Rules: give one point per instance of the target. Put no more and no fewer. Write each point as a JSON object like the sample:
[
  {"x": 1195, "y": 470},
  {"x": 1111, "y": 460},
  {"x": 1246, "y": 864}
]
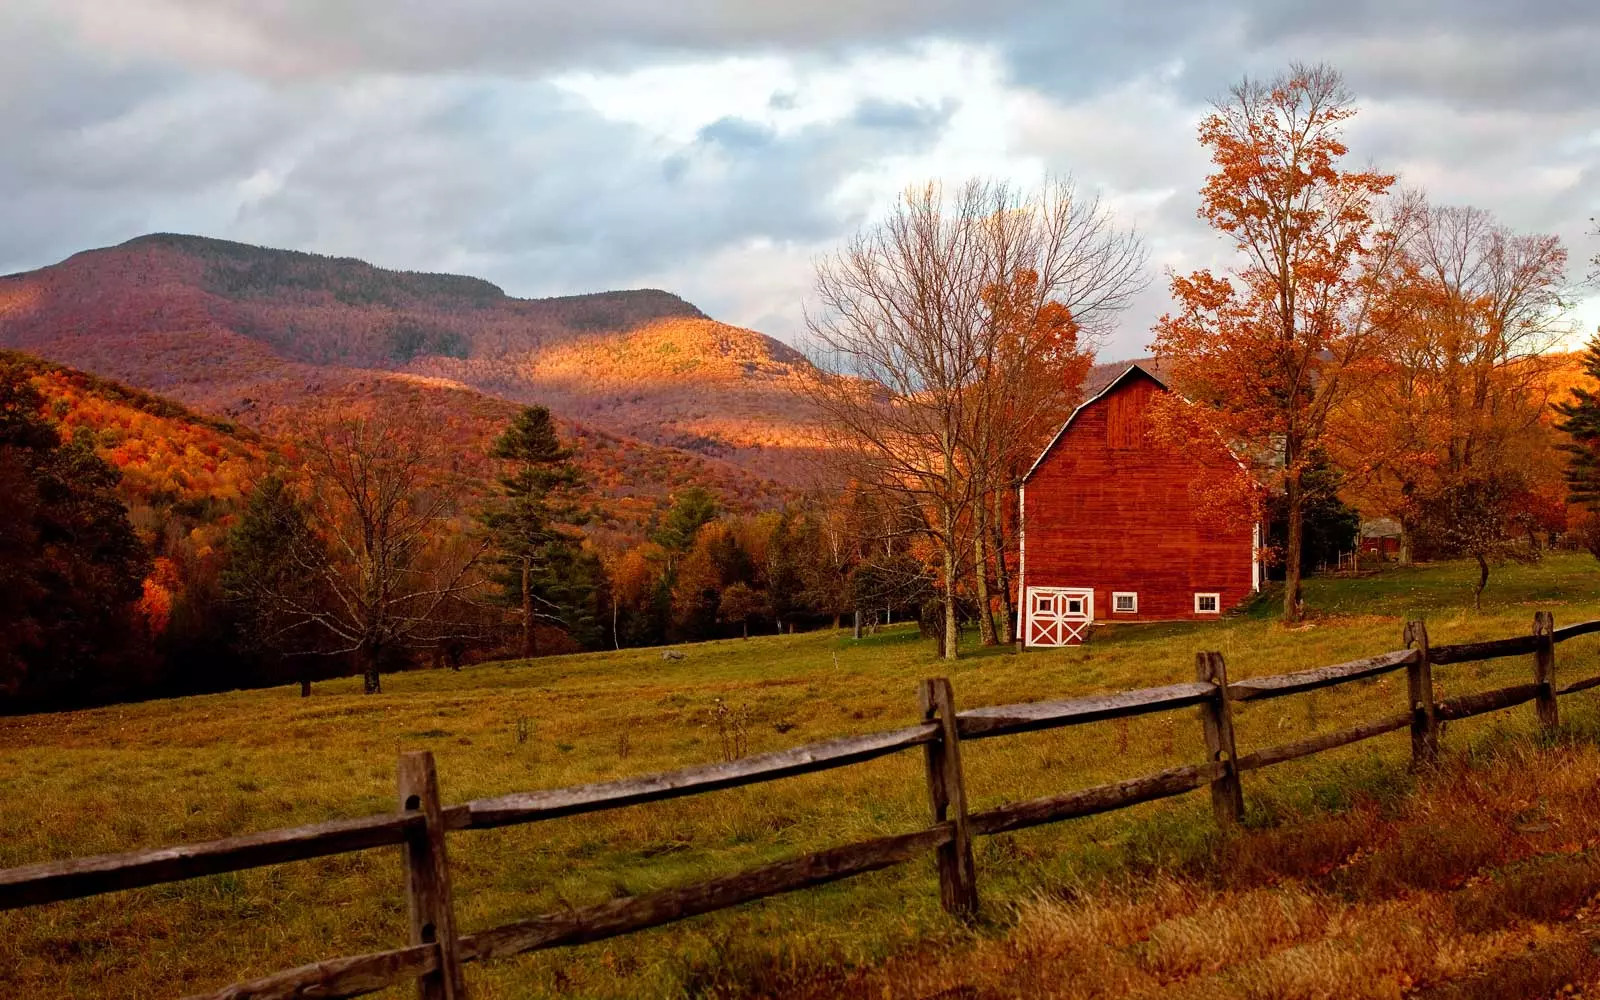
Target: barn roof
[{"x": 1099, "y": 383}]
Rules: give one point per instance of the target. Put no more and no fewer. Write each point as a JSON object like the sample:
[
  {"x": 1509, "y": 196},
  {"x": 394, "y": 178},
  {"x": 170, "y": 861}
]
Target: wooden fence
[{"x": 438, "y": 950}]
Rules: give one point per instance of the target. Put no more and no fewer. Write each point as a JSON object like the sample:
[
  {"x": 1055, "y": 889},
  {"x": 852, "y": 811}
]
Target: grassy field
[{"x": 197, "y": 768}]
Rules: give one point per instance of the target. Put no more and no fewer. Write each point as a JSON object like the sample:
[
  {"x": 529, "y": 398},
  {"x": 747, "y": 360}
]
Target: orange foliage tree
[
  {"x": 1460, "y": 399},
  {"x": 1269, "y": 352},
  {"x": 919, "y": 320},
  {"x": 1029, "y": 381}
]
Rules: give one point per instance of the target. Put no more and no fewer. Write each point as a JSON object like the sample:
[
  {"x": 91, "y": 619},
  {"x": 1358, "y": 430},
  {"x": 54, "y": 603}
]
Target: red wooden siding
[{"x": 1108, "y": 509}]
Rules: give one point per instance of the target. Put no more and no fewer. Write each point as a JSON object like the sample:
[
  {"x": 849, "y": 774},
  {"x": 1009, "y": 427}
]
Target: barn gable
[
  {"x": 1109, "y": 388},
  {"x": 1113, "y": 527}
]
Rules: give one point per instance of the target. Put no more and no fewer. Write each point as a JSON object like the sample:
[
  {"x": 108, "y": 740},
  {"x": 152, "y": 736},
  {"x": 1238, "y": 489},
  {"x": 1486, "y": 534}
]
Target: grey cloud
[
  {"x": 311, "y": 37},
  {"x": 736, "y": 133},
  {"x": 419, "y": 133},
  {"x": 910, "y": 118}
]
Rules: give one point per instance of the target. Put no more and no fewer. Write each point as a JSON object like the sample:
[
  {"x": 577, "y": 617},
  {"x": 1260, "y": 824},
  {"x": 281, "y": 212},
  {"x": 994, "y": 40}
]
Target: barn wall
[{"x": 1108, "y": 509}]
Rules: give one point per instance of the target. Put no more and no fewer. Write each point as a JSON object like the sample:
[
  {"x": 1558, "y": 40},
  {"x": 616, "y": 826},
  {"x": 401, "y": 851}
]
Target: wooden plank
[
  {"x": 1216, "y": 715},
  {"x": 1467, "y": 652},
  {"x": 1583, "y": 685},
  {"x": 624, "y": 916},
  {"x": 1278, "y": 685},
  {"x": 1544, "y": 670},
  {"x": 1487, "y": 701},
  {"x": 335, "y": 978},
  {"x": 527, "y": 807},
  {"x": 1419, "y": 692},
  {"x": 999, "y": 720},
  {"x": 1099, "y": 799},
  {"x": 947, "y": 795},
  {"x": 1316, "y": 744},
  {"x": 49, "y": 881},
  {"x": 430, "y": 908},
  {"x": 1573, "y": 631}
]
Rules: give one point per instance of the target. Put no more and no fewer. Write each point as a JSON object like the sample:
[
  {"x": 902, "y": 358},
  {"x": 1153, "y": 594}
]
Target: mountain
[{"x": 264, "y": 337}]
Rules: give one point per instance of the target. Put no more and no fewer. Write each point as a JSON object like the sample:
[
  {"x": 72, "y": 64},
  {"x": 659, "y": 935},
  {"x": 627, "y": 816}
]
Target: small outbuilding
[{"x": 1114, "y": 527}]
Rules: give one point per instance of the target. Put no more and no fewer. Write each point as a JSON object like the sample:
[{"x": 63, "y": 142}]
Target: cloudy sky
[{"x": 717, "y": 147}]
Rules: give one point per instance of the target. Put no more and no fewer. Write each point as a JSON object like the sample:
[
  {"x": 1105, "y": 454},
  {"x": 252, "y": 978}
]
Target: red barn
[{"x": 1110, "y": 527}]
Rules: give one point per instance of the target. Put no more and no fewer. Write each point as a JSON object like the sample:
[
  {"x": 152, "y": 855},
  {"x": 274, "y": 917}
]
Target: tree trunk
[
  {"x": 370, "y": 684},
  {"x": 1483, "y": 581},
  {"x": 952, "y": 634},
  {"x": 1002, "y": 574},
  {"x": 837, "y": 618},
  {"x": 529, "y": 642},
  {"x": 305, "y": 687},
  {"x": 747, "y": 628},
  {"x": 1291, "y": 558},
  {"x": 1404, "y": 557},
  {"x": 980, "y": 578}
]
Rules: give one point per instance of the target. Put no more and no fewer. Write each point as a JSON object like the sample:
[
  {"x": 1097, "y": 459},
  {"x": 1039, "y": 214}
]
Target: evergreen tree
[
  {"x": 273, "y": 561},
  {"x": 538, "y": 552},
  {"x": 1329, "y": 527},
  {"x": 71, "y": 566},
  {"x": 1580, "y": 420},
  {"x": 691, "y": 510}
]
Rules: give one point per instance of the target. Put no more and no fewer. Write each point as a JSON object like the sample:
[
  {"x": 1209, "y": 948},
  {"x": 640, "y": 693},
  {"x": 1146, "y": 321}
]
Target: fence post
[
  {"x": 1227, "y": 796},
  {"x": 1419, "y": 684},
  {"x": 1544, "y": 670},
  {"x": 947, "y": 791},
  {"x": 428, "y": 879}
]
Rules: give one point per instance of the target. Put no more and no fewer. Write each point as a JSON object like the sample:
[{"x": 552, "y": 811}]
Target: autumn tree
[
  {"x": 1031, "y": 377},
  {"x": 715, "y": 561},
  {"x": 1476, "y": 517},
  {"x": 739, "y": 603},
  {"x": 918, "y": 316},
  {"x": 1453, "y": 411},
  {"x": 1269, "y": 352},
  {"x": 532, "y": 527}
]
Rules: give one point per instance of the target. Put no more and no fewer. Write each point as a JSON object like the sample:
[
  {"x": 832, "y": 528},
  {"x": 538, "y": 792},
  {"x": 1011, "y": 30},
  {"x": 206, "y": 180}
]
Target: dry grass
[
  {"x": 1482, "y": 885},
  {"x": 1337, "y": 844}
]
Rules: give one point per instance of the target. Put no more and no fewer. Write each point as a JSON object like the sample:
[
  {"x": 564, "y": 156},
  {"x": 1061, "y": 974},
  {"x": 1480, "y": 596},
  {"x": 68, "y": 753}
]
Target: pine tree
[
  {"x": 273, "y": 559},
  {"x": 539, "y": 552},
  {"x": 691, "y": 510},
  {"x": 1581, "y": 422}
]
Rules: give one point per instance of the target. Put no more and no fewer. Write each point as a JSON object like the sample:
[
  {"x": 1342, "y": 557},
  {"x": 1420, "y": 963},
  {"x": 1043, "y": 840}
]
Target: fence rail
[{"x": 437, "y": 950}]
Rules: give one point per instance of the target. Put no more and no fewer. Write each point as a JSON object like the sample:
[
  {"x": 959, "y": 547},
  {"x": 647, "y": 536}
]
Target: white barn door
[{"x": 1058, "y": 616}]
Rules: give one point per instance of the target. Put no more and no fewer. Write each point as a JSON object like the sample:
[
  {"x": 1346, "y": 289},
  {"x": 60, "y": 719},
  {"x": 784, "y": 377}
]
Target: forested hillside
[{"x": 260, "y": 335}]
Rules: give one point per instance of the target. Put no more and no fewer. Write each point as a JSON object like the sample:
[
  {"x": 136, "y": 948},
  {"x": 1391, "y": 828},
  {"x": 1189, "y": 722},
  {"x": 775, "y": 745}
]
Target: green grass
[{"x": 197, "y": 768}]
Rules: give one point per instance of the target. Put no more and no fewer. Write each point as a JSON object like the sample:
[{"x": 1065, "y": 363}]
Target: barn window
[
  {"x": 1125, "y": 603},
  {"x": 1074, "y": 605},
  {"x": 1207, "y": 604}
]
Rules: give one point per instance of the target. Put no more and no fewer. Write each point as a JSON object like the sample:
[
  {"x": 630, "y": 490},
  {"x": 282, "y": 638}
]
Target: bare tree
[
  {"x": 381, "y": 571},
  {"x": 918, "y": 336}
]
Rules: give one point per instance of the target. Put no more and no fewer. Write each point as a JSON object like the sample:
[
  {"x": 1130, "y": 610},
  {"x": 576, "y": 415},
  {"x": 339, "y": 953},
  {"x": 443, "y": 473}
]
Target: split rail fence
[{"x": 438, "y": 950}]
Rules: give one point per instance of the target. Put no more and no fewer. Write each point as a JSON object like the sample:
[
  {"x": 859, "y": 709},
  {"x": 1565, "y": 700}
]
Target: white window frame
[
  {"x": 1117, "y": 595},
  {"x": 1216, "y": 602}
]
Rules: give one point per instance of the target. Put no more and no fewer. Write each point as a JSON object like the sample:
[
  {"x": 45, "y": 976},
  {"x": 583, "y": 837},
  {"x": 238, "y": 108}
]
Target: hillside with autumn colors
[
  {"x": 173, "y": 457},
  {"x": 265, "y": 336}
]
